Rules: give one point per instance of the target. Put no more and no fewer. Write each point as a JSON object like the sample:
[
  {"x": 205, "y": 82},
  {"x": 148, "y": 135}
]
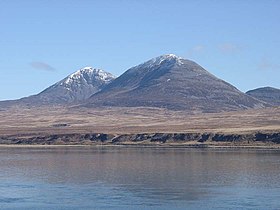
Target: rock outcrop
[{"x": 180, "y": 139}]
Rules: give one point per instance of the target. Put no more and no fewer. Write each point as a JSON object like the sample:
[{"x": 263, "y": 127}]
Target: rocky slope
[
  {"x": 267, "y": 94},
  {"x": 172, "y": 82},
  {"x": 74, "y": 88}
]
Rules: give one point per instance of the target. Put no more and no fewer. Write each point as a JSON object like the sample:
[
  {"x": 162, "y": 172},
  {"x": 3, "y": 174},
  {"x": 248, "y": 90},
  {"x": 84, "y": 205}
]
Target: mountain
[
  {"x": 268, "y": 94},
  {"x": 172, "y": 82},
  {"x": 74, "y": 88}
]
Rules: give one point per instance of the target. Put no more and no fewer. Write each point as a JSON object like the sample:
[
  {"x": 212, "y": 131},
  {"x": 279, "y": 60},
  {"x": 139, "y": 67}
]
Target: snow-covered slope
[
  {"x": 87, "y": 75},
  {"x": 74, "y": 88}
]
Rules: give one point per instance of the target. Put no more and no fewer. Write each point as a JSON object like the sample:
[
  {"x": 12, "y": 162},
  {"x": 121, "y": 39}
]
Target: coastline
[
  {"x": 149, "y": 145},
  {"x": 232, "y": 147},
  {"x": 254, "y": 140}
]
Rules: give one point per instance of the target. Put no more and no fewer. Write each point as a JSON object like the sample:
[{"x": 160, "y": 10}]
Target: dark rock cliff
[{"x": 144, "y": 138}]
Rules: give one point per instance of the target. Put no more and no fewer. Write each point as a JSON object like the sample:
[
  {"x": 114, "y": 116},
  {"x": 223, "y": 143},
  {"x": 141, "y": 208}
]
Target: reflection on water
[{"x": 147, "y": 178}]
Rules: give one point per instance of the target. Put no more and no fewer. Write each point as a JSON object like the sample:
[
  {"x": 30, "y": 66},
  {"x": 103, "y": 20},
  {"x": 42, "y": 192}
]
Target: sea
[{"x": 90, "y": 177}]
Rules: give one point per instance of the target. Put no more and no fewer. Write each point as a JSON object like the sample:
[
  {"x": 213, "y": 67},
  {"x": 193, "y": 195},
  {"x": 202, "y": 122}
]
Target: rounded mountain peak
[
  {"x": 167, "y": 57},
  {"x": 171, "y": 56}
]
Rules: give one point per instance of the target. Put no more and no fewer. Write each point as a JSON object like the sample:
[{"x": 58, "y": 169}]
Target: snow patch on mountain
[
  {"x": 76, "y": 87},
  {"x": 88, "y": 73},
  {"x": 166, "y": 59}
]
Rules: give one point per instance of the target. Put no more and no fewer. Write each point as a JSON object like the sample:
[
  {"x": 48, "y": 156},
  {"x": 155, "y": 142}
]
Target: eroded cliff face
[{"x": 183, "y": 139}]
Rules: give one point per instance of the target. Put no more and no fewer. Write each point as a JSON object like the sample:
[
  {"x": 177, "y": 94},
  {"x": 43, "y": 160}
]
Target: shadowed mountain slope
[
  {"x": 267, "y": 94},
  {"x": 172, "y": 82}
]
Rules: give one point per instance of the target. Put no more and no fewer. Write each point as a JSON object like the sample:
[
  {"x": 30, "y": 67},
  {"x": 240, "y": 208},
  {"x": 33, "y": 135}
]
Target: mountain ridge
[
  {"x": 268, "y": 94},
  {"x": 79, "y": 85},
  {"x": 74, "y": 88},
  {"x": 169, "y": 81}
]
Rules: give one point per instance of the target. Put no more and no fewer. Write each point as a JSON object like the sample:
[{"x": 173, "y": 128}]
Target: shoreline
[
  {"x": 179, "y": 146},
  {"x": 255, "y": 140}
]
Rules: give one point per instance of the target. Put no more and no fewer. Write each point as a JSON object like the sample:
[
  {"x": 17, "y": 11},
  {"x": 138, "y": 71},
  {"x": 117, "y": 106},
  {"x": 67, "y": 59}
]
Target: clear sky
[{"x": 42, "y": 41}]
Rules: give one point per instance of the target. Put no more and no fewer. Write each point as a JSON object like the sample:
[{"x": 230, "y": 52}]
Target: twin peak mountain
[{"x": 167, "y": 81}]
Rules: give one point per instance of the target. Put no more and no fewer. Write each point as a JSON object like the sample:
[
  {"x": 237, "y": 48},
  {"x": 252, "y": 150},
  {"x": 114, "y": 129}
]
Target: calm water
[{"x": 144, "y": 178}]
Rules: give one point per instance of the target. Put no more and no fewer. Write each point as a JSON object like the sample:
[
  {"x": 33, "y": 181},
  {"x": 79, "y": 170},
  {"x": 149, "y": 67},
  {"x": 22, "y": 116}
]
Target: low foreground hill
[{"x": 138, "y": 126}]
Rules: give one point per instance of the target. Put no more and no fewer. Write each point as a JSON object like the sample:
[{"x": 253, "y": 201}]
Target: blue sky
[{"x": 42, "y": 41}]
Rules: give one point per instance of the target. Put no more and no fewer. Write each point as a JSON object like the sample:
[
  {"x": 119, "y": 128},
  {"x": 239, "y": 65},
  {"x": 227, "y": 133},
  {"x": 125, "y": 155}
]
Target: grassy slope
[{"x": 18, "y": 120}]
